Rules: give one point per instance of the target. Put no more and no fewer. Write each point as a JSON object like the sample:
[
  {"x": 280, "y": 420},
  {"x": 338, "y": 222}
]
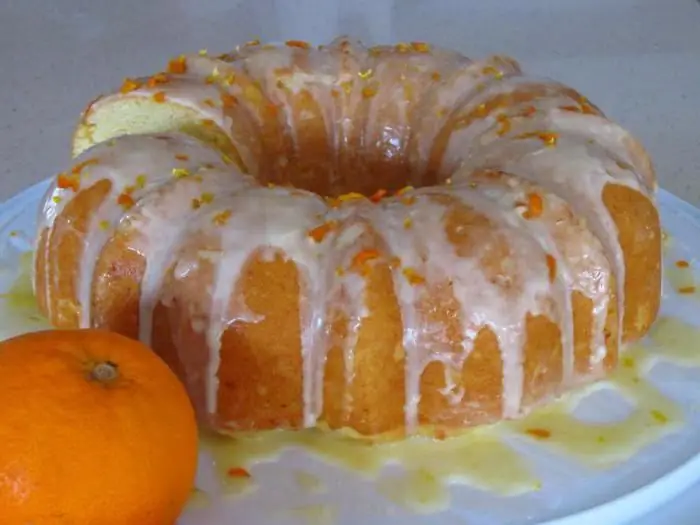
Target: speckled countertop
[{"x": 637, "y": 59}]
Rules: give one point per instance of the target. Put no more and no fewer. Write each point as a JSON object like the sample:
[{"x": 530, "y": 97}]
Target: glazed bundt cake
[{"x": 389, "y": 240}]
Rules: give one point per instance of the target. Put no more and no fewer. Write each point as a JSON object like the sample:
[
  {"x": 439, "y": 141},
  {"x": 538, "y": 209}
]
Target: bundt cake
[{"x": 385, "y": 240}]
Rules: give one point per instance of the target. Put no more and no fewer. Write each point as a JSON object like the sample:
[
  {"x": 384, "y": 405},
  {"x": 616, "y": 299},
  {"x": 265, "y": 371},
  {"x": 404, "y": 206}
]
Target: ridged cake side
[{"x": 422, "y": 241}]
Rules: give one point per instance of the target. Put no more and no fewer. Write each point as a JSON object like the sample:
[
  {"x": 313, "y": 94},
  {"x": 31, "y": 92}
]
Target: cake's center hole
[{"x": 349, "y": 173}]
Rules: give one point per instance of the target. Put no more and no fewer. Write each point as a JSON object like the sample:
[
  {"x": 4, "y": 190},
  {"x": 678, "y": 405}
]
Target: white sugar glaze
[{"x": 392, "y": 104}]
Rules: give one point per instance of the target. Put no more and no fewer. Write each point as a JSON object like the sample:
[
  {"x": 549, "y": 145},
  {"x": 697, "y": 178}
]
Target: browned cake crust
[{"x": 408, "y": 240}]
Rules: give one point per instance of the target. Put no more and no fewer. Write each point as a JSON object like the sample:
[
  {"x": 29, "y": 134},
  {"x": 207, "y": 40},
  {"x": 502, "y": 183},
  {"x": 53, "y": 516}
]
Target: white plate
[{"x": 571, "y": 494}]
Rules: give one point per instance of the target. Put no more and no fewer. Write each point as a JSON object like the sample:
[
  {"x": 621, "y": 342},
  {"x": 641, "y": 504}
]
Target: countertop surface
[{"x": 639, "y": 60}]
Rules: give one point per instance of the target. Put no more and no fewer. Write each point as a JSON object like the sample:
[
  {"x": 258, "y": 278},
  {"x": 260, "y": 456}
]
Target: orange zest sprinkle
[
  {"x": 551, "y": 267},
  {"x": 204, "y": 198},
  {"x": 213, "y": 76},
  {"x": 528, "y": 111},
  {"x": 125, "y": 200},
  {"x": 254, "y": 42},
  {"x": 588, "y": 109},
  {"x": 319, "y": 232},
  {"x": 362, "y": 258},
  {"x": 408, "y": 223},
  {"x": 237, "y": 472},
  {"x": 228, "y": 100},
  {"x": 182, "y": 157},
  {"x": 298, "y": 43},
  {"x": 548, "y": 137},
  {"x": 378, "y": 195},
  {"x": 586, "y": 106},
  {"x": 539, "y": 433},
  {"x": 369, "y": 91},
  {"x": 394, "y": 262},
  {"x": 413, "y": 277},
  {"x": 80, "y": 166},
  {"x": 209, "y": 102},
  {"x": 486, "y": 108},
  {"x": 482, "y": 110},
  {"x": 435, "y": 76},
  {"x": 535, "y": 205},
  {"x": 570, "y": 107},
  {"x": 159, "y": 97},
  {"x": 221, "y": 218},
  {"x": 68, "y": 182},
  {"x": 352, "y": 196},
  {"x": 402, "y": 47},
  {"x": 129, "y": 85},
  {"x": 686, "y": 289},
  {"x": 409, "y": 200},
  {"x": 420, "y": 47},
  {"x": 180, "y": 173},
  {"x": 490, "y": 70},
  {"x": 365, "y": 74},
  {"x": 404, "y": 190},
  {"x": 208, "y": 122},
  {"x": 157, "y": 79},
  {"x": 104, "y": 225},
  {"x": 178, "y": 65},
  {"x": 503, "y": 124},
  {"x": 333, "y": 202},
  {"x": 682, "y": 264}
]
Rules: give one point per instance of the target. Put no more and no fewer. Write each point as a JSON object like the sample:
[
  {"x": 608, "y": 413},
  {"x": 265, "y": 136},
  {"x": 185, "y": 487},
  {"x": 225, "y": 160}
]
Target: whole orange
[{"x": 94, "y": 430}]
